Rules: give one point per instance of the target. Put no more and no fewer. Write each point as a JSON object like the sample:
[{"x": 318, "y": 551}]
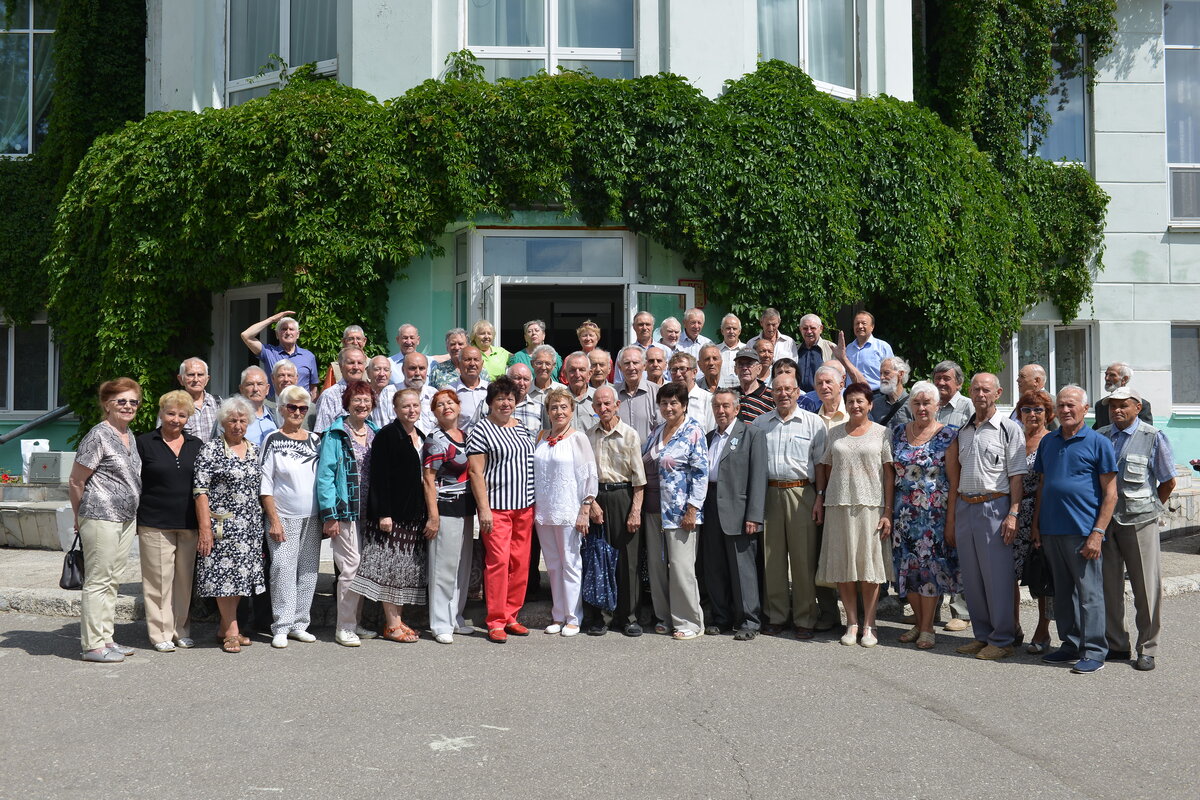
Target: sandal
[
  {"x": 231, "y": 644},
  {"x": 910, "y": 635},
  {"x": 244, "y": 641},
  {"x": 684, "y": 635},
  {"x": 662, "y": 628},
  {"x": 400, "y": 633},
  {"x": 1037, "y": 648},
  {"x": 926, "y": 640}
]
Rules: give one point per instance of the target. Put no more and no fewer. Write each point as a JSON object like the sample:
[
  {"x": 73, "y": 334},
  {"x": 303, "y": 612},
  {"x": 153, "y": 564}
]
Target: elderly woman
[
  {"x": 229, "y": 516},
  {"x": 289, "y": 500},
  {"x": 926, "y": 567},
  {"x": 1036, "y": 410},
  {"x": 104, "y": 486},
  {"x": 451, "y": 515},
  {"x": 392, "y": 570},
  {"x": 855, "y": 485},
  {"x": 535, "y": 337},
  {"x": 500, "y": 462},
  {"x": 443, "y": 369},
  {"x": 167, "y": 522},
  {"x": 341, "y": 499},
  {"x": 565, "y": 487},
  {"x": 495, "y": 357},
  {"x": 676, "y": 454}
]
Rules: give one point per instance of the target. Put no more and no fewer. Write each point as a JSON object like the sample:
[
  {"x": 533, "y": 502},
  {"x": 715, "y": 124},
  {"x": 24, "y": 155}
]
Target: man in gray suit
[{"x": 733, "y": 519}]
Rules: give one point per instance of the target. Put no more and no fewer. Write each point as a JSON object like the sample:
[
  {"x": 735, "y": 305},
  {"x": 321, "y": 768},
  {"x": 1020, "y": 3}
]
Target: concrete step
[
  {"x": 21, "y": 492},
  {"x": 38, "y": 524}
]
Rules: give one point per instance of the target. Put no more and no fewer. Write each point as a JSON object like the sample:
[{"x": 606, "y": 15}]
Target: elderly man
[
  {"x": 866, "y": 352},
  {"x": 352, "y": 336},
  {"x": 733, "y": 518},
  {"x": 1117, "y": 375},
  {"x": 379, "y": 375},
  {"x": 831, "y": 407},
  {"x": 731, "y": 343},
  {"x": 287, "y": 331},
  {"x": 1030, "y": 378},
  {"x": 636, "y": 406},
  {"x": 545, "y": 362},
  {"x": 283, "y": 375},
  {"x": 795, "y": 441},
  {"x": 656, "y": 364},
  {"x": 953, "y": 408},
  {"x": 576, "y": 370},
  {"x": 253, "y": 386},
  {"x": 985, "y": 467},
  {"x": 669, "y": 334},
  {"x": 601, "y": 367},
  {"x": 811, "y": 351},
  {"x": 890, "y": 404},
  {"x": 353, "y": 367},
  {"x": 765, "y": 352},
  {"x": 683, "y": 370},
  {"x": 193, "y": 377},
  {"x": 782, "y": 346},
  {"x": 643, "y": 330},
  {"x": 1131, "y": 544},
  {"x": 408, "y": 339},
  {"x": 618, "y": 507},
  {"x": 470, "y": 387},
  {"x": 1074, "y": 506},
  {"x": 755, "y": 396},
  {"x": 711, "y": 368},
  {"x": 444, "y": 370},
  {"x": 528, "y": 411},
  {"x": 415, "y": 375},
  {"x": 693, "y": 339}
]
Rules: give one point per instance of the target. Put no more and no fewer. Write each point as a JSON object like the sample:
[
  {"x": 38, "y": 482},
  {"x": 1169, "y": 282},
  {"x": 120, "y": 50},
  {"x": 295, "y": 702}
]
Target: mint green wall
[
  {"x": 1184, "y": 434},
  {"x": 58, "y": 432}
]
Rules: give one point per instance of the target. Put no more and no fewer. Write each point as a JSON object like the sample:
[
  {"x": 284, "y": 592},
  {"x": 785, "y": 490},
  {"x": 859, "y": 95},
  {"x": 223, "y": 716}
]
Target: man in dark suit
[
  {"x": 1117, "y": 375},
  {"x": 733, "y": 519}
]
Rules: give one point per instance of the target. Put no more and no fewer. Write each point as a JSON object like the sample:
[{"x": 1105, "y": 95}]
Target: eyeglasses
[
  {"x": 295, "y": 409},
  {"x": 124, "y": 401},
  {"x": 1032, "y": 410}
]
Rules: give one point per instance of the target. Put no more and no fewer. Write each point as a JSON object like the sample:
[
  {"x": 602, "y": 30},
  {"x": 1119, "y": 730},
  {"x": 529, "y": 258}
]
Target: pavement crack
[{"x": 730, "y": 746}]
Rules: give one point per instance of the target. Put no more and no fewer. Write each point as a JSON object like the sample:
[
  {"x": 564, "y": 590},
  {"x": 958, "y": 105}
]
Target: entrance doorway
[{"x": 563, "y": 308}]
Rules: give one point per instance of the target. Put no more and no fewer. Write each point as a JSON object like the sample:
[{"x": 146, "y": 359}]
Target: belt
[
  {"x": 981, "y": 498},
  {"x": 787, "y": 484},
  {"x": 612, "y": 487}
]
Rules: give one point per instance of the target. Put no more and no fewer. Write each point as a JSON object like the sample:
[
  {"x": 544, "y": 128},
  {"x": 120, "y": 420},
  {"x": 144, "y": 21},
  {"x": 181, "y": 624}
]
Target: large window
[
  {"x": 1181, "y": 34},
  {"x": 28, "y": 369},
  {"x": 516, "y": 38},
  {"x": 1066, "y": 138},
  {"x": 26, "y": 73},
  {"x": 1064, "y": 351},
  {"x": 1185, "y": 364},
  {"x": 297, "y": 31},
  {"x": 816, "y": 35}
]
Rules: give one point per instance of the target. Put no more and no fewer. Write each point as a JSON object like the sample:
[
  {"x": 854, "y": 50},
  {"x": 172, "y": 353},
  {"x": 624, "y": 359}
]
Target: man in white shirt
[
  {"x": 379, "y": 375},
  {"x": 711, "y": 367},
  {"x": 408, "y": 339},
  {"x": 643, "y": 329},
  {"x": 415, "y": 372},
  {"x": 543, "y": 360},
  {"x": 352, "y": 363},
  {"x": 470, "y": 387},
  {"x": 731, "y": 342},
  {"x": 576, "y": 369},
  {"x": 601, "y": 367},
  {"x": 784, "y": 346},
  {"x": 683, "y": 370},
  {"x": 636, "y": 406},
  {"x": 668, "y": 336},
  {"x": 693, "y": 339},
  {"x": 656, "y": 365}
]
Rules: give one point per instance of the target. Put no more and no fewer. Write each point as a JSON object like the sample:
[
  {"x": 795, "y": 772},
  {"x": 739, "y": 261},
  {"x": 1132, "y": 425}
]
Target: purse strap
[{"x": 77, "y": 545}]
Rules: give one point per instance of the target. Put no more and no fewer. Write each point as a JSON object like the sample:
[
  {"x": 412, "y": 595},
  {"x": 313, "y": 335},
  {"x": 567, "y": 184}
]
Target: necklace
[{"x": 553, "y": 440}]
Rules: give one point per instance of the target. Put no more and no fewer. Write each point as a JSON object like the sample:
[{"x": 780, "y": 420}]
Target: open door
[
  {"x": 661, "y": 301},
  {"x": 488, "y": 305}
]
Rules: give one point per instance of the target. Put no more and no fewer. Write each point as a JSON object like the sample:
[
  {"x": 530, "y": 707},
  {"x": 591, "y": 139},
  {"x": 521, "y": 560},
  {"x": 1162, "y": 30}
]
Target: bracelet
[
  {"x": 1013, "y": 514},
  {"x": 1098, "y": 530}
]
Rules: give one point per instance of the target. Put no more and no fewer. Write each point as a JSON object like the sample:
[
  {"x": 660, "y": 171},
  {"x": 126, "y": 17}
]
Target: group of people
[{"x": 744, "y": 488}]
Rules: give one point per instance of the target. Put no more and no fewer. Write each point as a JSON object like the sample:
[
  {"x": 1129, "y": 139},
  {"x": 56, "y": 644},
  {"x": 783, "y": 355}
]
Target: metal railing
[{"x": 49, "y": 416}]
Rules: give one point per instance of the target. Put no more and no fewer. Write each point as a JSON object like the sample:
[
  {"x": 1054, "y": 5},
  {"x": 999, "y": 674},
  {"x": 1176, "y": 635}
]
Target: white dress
[{"x": 564, "y": 474}]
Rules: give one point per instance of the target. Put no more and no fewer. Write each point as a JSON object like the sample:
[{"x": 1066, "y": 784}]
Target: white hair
[
  {"x": 924, "y": 388},
  {"x": 353, "y": 329},
  {"x": 1073, "y": 387},
  {"x": 1122, "y": 369},
  {"x": 813, "y": 318},
  {"x": 693, "y": 313},
  {"x": 400, "y": 330},
  {"x": 295, "y": 394},
  {"x": 901, "y": 366},
  {"x": 543, "y": 349},
  {"x": 232, "y": 406},
  {"x": 283, "y": 363},
  {"x": 640, "y": 352},
  {"x": 671, "y": 320},
  {"x": 183, "y": 365},
  {"x": 248, "y": 370},
  {"x": 829, "y": 370},
  {"x": 728, "y": 317},
  {"x": 285, "y": 320},
  {"x": 345, "y": 353}
]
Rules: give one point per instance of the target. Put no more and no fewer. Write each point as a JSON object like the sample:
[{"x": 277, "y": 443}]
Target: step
[{"x": 37, "y": 524}]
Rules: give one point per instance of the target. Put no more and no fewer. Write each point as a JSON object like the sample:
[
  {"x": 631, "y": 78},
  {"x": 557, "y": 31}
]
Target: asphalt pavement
[{"x": 550, "y": 717}]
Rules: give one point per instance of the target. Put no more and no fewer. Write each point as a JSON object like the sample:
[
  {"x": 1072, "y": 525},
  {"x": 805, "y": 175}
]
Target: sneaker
[
  {"x": 1061, "y": 656},
  {"x": 104, "y": 655},
  {"x": 279, "y": 640},
  {"x": 444, "y": 638},
  {"x": 957, "y": 624},
  {"x": 1086, "y": 666},
  {"x": 184, "y": 642},
  {"x": 365, "y": 633},
  {"x": 165, "y": 647},
  {"x": 971, "y": 648},
  {"x": 301, "y": 636},
  {"x": 346, "y": 638},
  {"x": 993, "y": 653}
]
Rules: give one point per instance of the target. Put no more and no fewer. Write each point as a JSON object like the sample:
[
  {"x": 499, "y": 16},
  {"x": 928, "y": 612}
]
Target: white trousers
[
  {"x": 105, "y": 548},
  {"x": 564, "y": 565}
]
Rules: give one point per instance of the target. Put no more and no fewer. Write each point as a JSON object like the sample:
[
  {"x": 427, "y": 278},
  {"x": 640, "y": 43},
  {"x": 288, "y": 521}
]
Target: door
[
  {"x": 661, "y": 301},
  {"x": 237, "y": 310},
  {"x": 563, "y": 308}
]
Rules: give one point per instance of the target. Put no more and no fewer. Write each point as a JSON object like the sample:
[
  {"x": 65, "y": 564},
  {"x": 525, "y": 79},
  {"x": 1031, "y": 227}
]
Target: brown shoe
[
  {"x": 971, "y": 648},
  {"x": 957, "y": 625},
  {"x": 993, "y": 653}
]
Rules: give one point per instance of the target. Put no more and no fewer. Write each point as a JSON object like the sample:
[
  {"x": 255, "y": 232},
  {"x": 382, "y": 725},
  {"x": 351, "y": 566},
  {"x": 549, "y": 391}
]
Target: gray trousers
[
  {"x": 986, "y": 564},
  {"x": 449, "y": 567},
  {"x": 1078, "y": 596},
  {"x": 1136, "y": 550},
  {"x": 295, "y": 563},
  {"x": 671, "y": 559}
]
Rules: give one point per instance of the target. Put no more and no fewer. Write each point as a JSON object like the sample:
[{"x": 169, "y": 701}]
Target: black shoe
[
  {"x": 597, "y": 630},
  {"x": 1144, "y": 663},
  {"x": 1118, "y": 655},
  {"x": 771, "y": 629},
  {"x": 744, "y": 635},
  {"x": 712, "y": 630},
  {"x": 633, "y": 629}
]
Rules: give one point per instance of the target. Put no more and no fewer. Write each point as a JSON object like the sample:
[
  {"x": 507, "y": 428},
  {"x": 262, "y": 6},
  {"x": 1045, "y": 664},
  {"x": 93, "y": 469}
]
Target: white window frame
[
  {"x": 843, "y": 92},
  {"x": 1188, "y": 409},
  {"x": 326, "y": 68},
  {"x": 550, "y": 54},
  {"x": 30, "y": 34},
  {"x": 1009, "y": 396},
  {"x": 1172, "y": 168},
  {"x": 7, "y": 412}
]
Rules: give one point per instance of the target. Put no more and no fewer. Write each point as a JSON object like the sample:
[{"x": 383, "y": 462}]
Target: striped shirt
[
  {"x": 508, "y": 474},
  {"x": 755, "y": 404}
]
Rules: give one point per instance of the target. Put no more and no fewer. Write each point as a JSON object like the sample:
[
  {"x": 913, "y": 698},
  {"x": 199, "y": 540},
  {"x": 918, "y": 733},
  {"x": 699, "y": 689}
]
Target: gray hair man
[
  {"x": 577, "y": 371},
  {"x": 783, "y": 346},
  {"x": 379, "y": 375},
  {"x": 890, "y": 402},
  {"x": 287, "y": 332},
  {"x": 1131, "y": 543},
  {"x": 643, "y": 329},
  {"x": 811, "y": 351},
  {"x": 543, "y": 361},
  {"x": 656, "y": 364},
  {"x": 414, "y": 374},
  {"x": 1117, "y": 375},
  {"x": 731, "y": 343},
  {"x": 254, "y": 385},
  {"x": 954, "y": 409},
  {"x": 683, "y": 370},
  {"x": 693, "y": 337},
  {"x": 711, "y": 369},
  {"x": 471, "y": 387},
  {"x": 985, "y": 467},
  {"x": 528, "y": 411},
  {"x": 636, "y": 398},
  {"x": 193, "y": 377},
  {"x": 443, "y": 371},
  {"x": 618, "y": 507},
  {"x": 408, "y": 339},
  {"x": 352, "y": 363}
]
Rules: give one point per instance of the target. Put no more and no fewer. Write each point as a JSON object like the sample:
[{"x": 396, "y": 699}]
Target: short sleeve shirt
[
  {"x": 509, "y": 470},
  {"x": 1071, "y": 470},
  {"x": 307, "y": 371},
  {"x": 989, "y": 453},
  {"x": 289, "y": 474},
  {"x": 448, "y": 459},
  {"x": 112, "y": 490}
]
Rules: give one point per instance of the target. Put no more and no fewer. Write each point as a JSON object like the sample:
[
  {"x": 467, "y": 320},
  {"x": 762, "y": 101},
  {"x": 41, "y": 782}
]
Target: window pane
[
  {"x": 1066, "y": 138},
  {"x": 4, "y": 333},
  {"x": 461, "y": 255},
  {"x": 831, "y": 41},
  {"x": 779, "y": 30},
  {"x": 31, "y": 368},
  {"x": 1185, "y": 363},
  {"x": 253, "y": 35},
  {"x": 495, "y": 68},
  {"x": 1185, "y": 194},
  {"x": 262, "y": 90},
  {"x": 20, "y": 14},
  {"x": 14, "y": 93},
  {"x": 1183, "y": 106},
  {"x": 595, "y": 23},
  {"x": 576, "y": 257},
  {"x": 1070, "y": 357},
  {"x": 1181, "y": 20},
  {"x": 43, "y": 85},
  {"x": 314, "y": 31},
  {"x": 1033, "y": 346},
  {"x": 601, "y": 69},
  {"x": 242, "y": 314},
  {"x": 506, "y": 23},
  {"x": 460, "y": 304},
  {"x": 45, "y": 14}
]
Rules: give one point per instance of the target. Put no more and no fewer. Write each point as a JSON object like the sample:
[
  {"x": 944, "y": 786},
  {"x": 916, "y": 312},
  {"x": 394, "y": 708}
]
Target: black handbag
[
  {"x": 1036, "y": 574},
  {"x": 72, "y": 571}
]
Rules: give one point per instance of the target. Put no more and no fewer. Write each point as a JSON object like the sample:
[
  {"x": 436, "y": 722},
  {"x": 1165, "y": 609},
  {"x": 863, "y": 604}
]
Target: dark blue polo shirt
[{"x": 1071, "y": 471}]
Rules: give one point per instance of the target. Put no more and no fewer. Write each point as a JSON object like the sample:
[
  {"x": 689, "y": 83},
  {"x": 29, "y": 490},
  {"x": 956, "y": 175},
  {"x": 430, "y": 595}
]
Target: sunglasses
[
  {"x": 295, "y": 409},
  {"x": 123, "y": 402},
  {"x": 1032, "y": 410}
]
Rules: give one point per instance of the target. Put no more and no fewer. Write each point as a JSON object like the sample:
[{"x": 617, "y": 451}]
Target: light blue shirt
[{"x": 867, "y": 357}]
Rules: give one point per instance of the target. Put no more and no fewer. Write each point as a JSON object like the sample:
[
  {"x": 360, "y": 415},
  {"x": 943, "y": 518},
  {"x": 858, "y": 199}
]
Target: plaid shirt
[{"x": 203, "y": 423}]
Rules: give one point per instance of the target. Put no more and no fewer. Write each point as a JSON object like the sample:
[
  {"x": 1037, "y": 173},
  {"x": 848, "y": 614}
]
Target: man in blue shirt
[
  {"x": 1074, "y": 505},
  {"x": 866, "y": 352},
  {"x": 287, "y": 331}
]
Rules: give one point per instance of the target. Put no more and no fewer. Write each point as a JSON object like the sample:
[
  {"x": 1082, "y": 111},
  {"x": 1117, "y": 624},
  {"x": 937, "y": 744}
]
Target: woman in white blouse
[{"x": 565, "y": 487}]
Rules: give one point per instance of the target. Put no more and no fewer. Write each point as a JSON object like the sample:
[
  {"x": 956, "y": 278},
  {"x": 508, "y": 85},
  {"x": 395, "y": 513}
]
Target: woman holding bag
[{"x": 1036, "y": 412}]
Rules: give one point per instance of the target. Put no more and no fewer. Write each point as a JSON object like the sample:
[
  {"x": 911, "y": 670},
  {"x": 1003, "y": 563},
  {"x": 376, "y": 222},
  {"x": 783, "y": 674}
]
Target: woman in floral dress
[
  {"x": 926, "y": 567},
  {"x": 1036, "y": 412}
]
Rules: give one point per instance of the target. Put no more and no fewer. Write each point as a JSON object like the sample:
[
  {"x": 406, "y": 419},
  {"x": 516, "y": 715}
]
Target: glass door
[{"x": 661, "y": 301}]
